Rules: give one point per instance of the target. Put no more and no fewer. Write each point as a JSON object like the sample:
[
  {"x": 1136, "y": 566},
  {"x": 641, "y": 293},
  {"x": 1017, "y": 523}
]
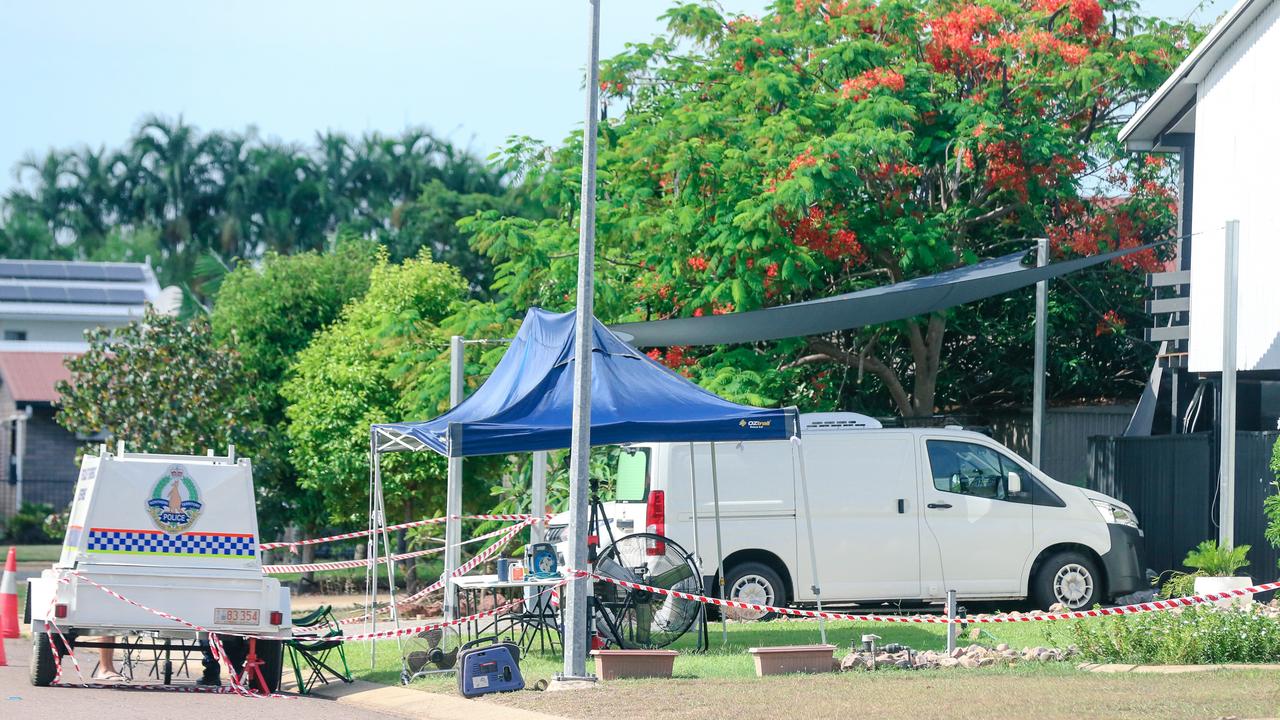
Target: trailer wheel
[
  {"x": 755, "y": 583},
  {"x": 43, "y": 667}
]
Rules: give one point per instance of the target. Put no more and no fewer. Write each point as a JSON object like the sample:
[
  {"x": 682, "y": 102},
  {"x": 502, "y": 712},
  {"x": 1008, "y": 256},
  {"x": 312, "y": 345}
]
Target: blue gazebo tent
[{"x": 526, "y": 405}]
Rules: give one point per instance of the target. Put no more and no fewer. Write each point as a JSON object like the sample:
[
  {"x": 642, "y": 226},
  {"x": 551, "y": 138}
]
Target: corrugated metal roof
[{"x": 31, "y": 376}]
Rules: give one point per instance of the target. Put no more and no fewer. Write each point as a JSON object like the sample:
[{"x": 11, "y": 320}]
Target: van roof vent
[{"x": 835, "y": 421}]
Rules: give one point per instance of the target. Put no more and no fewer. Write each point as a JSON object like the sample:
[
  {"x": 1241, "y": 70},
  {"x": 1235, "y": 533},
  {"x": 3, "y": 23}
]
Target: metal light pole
[
  {"x": 577, "y": 590},
  {"x": 1227, "y": 424},
  {"x": 1042, "y": 320}
]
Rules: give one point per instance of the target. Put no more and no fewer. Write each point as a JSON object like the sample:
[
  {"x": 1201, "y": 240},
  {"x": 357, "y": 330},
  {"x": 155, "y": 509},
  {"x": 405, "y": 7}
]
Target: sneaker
[{"x": 209, "y": 681}]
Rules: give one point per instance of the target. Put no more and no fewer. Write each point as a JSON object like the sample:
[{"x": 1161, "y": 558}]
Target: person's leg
[
  {"x": 107, "y": 661},
  {"x": 212, "y": 670}
]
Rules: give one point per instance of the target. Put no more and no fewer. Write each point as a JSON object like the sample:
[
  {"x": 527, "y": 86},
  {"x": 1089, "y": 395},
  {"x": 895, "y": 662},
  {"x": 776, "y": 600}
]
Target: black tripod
[{"x": 594, "y": 609}]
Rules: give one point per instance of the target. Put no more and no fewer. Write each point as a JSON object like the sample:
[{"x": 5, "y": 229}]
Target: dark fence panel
[
  {"x": 1163, "y": 478},
  {"x": 1171, "y": 483},
  {"x": 1254, "y": 483}
]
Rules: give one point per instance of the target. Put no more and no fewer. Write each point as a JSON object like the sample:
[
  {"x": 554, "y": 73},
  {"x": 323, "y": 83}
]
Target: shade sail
[
  {"x": 527, "y": 403},
  {"x": 876, "y": 305}
]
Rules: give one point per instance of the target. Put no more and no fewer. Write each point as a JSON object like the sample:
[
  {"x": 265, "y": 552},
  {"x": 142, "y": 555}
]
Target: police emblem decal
[{"x": 174, "y": 503}]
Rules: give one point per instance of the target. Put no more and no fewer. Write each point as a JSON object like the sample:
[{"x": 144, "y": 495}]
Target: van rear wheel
[
  {"x": 755, "y": 583},
  {"x": 1070, "y": 579}
]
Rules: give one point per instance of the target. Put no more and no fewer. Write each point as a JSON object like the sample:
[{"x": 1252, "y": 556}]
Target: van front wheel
[
  {"x": 757, "y": 584},
  {"x": 1070, "y": 579}
]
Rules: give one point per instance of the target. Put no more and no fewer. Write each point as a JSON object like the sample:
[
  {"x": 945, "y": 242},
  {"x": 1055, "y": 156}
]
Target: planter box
[
  {"x": 793, "y": 659},
  {"x": 1223, "y": 584},
  {"x": 623, "y": 664}
]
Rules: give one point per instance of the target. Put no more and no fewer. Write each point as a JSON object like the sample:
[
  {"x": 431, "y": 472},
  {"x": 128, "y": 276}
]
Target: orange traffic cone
[{"x": 9, "y": 596}]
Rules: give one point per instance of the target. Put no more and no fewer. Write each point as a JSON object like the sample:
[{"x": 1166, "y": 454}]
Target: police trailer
[{"x": 176, "y": 533}]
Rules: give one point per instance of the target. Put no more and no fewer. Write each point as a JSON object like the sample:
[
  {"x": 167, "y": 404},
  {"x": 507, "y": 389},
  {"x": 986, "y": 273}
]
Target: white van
[{"x": 898, "y": 515}]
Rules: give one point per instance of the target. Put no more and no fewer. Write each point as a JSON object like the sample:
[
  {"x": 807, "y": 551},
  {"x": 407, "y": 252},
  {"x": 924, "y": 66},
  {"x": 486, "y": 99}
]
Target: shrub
[
  {"x": 1195, "y": 635},
  {"x": 27, "y": 526},
  {"x": 1215, "y": 561}
]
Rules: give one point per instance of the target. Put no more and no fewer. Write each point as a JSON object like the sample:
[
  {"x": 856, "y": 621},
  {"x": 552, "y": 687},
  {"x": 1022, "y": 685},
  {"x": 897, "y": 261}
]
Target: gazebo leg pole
[
  {"x": 798, "y": 448},
  {"x": 453, "y": 489},
  {"x": 371, "y": 550},
  {"x": 697, "y": 549},
  {"x": 533, "y": 597},
  {"x": 381, "y": 511},
  {"x": 720, "y": 569}
]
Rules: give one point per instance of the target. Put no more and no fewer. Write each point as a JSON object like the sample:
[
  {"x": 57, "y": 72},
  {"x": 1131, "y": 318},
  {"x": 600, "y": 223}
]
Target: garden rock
[{"x": 971, "y": 656}]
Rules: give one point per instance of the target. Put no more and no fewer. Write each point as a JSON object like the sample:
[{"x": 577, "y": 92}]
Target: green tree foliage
[
  {"x": 237, "y": 196},
  {"x": 161, "y": 384},
  {"x": 348, "y": 378},
  {"x": 1271, "y": 504},
  {"x": 268, "y": 312},
  {"x": 831, "y": 146}
]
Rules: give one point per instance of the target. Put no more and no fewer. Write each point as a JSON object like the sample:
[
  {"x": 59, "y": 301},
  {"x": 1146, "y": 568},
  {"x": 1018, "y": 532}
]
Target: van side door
[
  {"x": 866, "y": 516},
  {"x": 983, "y": 531}
]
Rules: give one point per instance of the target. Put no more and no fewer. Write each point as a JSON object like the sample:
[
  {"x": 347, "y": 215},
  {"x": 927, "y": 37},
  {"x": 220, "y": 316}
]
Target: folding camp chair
[{"x": 312, "y": 651}]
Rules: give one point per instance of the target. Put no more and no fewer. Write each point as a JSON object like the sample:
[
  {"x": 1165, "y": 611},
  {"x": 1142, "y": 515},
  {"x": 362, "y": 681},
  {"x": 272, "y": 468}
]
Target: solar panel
[
  {"x": 123, "y": 273},
  {"x": 86, "y": 295},
  {"x": 84, "y": 271},
  {"x": 42, "y": 293},
  {"x": 45, "y": 271},
  {"x": 121, "y": 296},
  {"x": 13, "y": 293}
]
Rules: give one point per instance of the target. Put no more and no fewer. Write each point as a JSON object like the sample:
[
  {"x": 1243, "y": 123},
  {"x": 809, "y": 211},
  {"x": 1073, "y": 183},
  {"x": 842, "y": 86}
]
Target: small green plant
[
  {"x": 1214, "y": 561},
  {"x": 1174, "y": 584}
]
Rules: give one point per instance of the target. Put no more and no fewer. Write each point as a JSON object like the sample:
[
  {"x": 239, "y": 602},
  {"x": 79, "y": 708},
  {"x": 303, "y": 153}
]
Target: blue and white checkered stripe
[{"x": 153, "y": 543}]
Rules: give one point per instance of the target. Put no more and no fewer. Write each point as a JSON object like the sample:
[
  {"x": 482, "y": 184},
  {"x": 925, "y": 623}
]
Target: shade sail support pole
[
  {"x": 578, "y": 589},
  {"x": 798, "y": 448},
  {"x": 1227, "y": 424},
  {"x": 720, "y": 569},
  {"x": 453, "y": 491},
  {"x": 1042, "y": 330}
]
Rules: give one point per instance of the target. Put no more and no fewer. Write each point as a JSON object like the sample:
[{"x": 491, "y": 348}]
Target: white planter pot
[{"x": 1223, "y": 584}]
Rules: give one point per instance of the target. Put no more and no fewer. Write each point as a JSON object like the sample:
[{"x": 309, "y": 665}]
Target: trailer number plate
[{"x": 235, "y": 616}]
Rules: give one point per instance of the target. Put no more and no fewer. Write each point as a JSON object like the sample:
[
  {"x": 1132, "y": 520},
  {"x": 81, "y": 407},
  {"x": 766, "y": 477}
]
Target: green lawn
[
  {"x": 723, "y": 660},
  {"x": 37, "y": 553}
]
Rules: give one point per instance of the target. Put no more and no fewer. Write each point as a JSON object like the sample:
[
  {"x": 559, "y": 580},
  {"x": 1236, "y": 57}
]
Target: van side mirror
[{"x": 1014, "y": 484}]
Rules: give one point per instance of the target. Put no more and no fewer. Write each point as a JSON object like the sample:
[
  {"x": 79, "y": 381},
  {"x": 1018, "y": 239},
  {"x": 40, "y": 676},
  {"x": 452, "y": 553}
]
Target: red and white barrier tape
[
  {"x": 385, "y": 634},
  {"x": 1133, "y": 609},
  {"x": 215, "y": 645},
  {"x": 463, "y": 569},
  {"x": 344, "y": 564},
  {"x": 294, "y": 545}
]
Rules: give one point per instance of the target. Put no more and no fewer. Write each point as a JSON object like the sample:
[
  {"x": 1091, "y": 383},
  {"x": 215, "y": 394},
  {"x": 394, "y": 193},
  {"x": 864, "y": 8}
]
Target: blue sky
[{"x": 84, "y": 71}]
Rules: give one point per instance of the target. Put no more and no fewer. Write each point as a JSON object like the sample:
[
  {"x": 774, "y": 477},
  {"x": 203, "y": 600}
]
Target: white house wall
[{"x": 1236, "y": 164}]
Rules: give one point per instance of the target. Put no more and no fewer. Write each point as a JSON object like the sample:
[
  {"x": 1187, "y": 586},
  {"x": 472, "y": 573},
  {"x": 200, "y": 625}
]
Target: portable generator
[{"x": 486, "y": 666}]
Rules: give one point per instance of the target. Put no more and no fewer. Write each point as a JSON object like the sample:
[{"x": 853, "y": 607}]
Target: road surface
[{"x": 19, "y": 699}]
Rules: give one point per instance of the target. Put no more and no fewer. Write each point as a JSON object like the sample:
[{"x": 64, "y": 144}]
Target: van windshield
[{"x": 632, "y": 480}]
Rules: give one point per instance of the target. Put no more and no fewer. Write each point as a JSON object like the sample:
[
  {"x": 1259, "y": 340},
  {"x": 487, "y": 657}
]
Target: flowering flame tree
[{"x": 831, "y": 146}]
